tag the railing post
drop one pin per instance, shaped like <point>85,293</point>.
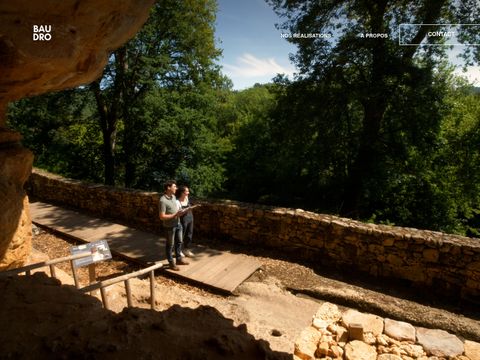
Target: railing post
<point>92,277</point>
<point>53,273</point>
<point>103,291</point>
<point>102,285</point>
<point>74,273</point>
<point>152,289</point>
<point>129,292</point>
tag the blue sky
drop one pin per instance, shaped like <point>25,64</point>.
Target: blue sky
<point>253,50</point>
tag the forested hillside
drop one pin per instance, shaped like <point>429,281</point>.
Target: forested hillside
<point>367,129</point>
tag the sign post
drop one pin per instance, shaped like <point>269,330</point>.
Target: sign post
<point>99,251</point>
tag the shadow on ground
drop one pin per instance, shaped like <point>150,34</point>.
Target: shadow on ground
<point>43,319</point>
<point>390,298</point>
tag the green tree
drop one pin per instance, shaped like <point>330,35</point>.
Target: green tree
<point>369,71</point>
<point>176,50</point>
<point>245,120</point>
<point>181,138</point>
<point>460,158</point>
<point>61,130</point>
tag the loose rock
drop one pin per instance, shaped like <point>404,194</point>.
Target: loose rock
<point>358,350</point>
<point>439,342</point>
<point>370,323</point>
<point>399,330</point>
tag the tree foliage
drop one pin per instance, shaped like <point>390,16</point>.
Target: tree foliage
<point>151,116</point>
<point>370,71</point>
<point>383,102</point>
<point>368,129</point>
<point>61,130</point>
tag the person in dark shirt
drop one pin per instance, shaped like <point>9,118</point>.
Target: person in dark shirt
<point>186,219</point>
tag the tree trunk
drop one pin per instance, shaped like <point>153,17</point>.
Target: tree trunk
<point>108,124</point>
<point>369,154</point>
<point>129,150</point>
<point>374,104</point>
<point>377,95</point>
<point>109,157</point>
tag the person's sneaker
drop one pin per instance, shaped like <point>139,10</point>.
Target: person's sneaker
<point>182,254</point>
<point>188,253</point>
<point>173,267</point>
<point>182,262</point>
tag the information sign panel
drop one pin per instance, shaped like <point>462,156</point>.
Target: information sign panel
<point>99,251</point>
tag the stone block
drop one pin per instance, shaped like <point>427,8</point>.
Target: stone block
<point>388,242</point>
<point>328,312</point>
<point>355,331</point>
<point>413,273</point>
<point>395,260</point>
<point>389,357</point>
<point>358,350</point>
<point>322,349</point>
<point>370,323</point>
<point>472,350</point>
<point>431,255</point>
<point>307,343</point>
<point>439,342</point>
<point>399,330</point>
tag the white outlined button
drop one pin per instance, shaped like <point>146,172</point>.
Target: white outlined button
<point>438,31</point>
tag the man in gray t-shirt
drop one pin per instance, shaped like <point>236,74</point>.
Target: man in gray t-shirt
<point>170,216</point>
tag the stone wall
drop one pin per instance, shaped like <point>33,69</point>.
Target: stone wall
<point>136,208</point>
<point>445,264</point>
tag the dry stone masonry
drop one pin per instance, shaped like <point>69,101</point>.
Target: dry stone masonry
<point>352,335</point>
<point>444,264</point>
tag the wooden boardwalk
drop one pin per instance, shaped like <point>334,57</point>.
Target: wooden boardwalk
<point>221,270</point>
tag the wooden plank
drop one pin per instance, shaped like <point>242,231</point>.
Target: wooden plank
<point>238,275</point>
<point>197,264</point>
<point>215,268</point>
<point>227,271</point>
<point>200,261</point>
<point>219,266</point>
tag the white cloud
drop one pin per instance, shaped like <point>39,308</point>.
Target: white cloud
<point>472,74</point>
<point>251,66</point>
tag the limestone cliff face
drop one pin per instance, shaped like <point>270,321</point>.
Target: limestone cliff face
<point>49,45</point>
<point>81,35</point>
<point>15,225</point>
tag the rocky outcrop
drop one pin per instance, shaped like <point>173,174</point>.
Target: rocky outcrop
<point>15,224</point>
<point>44,46</point>
<point>73,47</point>
<point>395,342</point>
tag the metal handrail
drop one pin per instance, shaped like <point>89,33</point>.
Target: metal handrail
<point>126,279</point>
